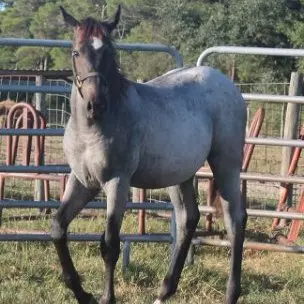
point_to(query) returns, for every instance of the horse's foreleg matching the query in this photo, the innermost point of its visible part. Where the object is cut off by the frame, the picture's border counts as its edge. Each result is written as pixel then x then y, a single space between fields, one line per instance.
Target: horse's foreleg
pixel 117 195
pixel 76 196
pixel 187 217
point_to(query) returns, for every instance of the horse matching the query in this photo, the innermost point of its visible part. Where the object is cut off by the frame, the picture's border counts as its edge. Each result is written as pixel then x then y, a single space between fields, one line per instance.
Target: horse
pixel 147 135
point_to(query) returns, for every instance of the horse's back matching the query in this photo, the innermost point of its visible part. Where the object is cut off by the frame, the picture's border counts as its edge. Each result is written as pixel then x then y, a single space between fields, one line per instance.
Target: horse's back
pixel 186 114
pixel 208 87
pixel 203 92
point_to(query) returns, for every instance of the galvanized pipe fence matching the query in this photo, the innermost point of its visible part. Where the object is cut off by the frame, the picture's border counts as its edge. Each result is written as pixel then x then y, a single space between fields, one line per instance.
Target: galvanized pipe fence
pixel 142 47
pixel 245 50
pixel 160 237
pixel 127 239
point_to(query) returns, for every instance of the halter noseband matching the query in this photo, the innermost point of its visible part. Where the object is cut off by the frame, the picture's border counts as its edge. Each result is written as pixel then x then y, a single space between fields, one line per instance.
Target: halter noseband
pixel 78 80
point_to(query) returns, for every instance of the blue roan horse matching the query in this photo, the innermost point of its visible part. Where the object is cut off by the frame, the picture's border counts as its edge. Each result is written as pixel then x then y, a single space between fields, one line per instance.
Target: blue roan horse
pixel 151 135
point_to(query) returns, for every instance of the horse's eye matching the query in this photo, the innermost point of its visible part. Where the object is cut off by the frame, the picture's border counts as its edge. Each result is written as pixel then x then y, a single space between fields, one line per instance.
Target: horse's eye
pixel 75 53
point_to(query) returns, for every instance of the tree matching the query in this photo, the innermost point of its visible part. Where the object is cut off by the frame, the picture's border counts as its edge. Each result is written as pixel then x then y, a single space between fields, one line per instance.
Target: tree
pixel 41 19
pixel 190 25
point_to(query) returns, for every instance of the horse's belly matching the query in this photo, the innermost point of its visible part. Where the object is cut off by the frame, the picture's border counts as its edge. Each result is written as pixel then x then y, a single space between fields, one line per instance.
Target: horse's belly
pixel 160 177
pixel 172 151
pixel 167 169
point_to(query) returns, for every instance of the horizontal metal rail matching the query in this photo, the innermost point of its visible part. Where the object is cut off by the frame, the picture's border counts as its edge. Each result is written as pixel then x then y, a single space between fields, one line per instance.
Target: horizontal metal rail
pixel 249 51
pixel 34 132
pixel 142 47
pixel 35 89
pixel 90 205
pixel 60 132
pixel 202 174
pixel 257 177
pixel 275 142
pixel 86 237
pixel 36 169
pixel 147 206
pixel 250 245
pixel 151 238
pixel 273 98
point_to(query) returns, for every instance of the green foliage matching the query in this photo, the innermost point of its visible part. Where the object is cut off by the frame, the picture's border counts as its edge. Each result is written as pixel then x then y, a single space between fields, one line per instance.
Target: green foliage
pixel 191 26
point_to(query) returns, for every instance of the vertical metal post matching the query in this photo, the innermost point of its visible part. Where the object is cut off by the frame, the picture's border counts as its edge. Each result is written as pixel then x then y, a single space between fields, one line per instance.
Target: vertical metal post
pixel 291 126
pixel 62 123
pixel 40 97
pixel 142 213
pixel 126 255
pixel 40 106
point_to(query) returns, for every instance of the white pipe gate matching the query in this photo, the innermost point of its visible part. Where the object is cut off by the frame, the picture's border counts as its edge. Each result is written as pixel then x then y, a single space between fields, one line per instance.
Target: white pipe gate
pixel 160 237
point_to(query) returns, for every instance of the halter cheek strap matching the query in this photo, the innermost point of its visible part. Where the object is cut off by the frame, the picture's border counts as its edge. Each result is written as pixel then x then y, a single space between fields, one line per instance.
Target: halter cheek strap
pixel 78 80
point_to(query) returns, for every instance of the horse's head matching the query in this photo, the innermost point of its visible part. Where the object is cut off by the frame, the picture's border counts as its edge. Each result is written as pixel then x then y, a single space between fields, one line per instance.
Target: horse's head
pixel 93 60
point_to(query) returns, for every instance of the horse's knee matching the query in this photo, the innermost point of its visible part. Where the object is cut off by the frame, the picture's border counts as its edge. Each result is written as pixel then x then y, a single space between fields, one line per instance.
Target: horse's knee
pixel 57 232
pixel 71 281
pixel 110 248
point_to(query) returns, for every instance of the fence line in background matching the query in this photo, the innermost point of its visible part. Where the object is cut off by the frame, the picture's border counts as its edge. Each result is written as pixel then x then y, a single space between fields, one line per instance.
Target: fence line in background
pixel 245 50
pixel 167 237
pixel 142 47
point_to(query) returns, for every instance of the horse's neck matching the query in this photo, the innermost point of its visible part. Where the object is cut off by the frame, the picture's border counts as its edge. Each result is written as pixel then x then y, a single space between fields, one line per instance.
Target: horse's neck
pixel 78 109
pixel 117 86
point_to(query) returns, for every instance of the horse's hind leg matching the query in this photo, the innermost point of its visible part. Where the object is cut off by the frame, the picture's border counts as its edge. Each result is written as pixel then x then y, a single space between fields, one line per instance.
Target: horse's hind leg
pixel 187 217
pixel 76 196
pixel 226 172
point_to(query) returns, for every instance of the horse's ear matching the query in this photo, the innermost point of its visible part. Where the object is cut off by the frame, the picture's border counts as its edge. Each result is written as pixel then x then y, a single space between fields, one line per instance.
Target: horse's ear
pixel 113 21
pixel 69 19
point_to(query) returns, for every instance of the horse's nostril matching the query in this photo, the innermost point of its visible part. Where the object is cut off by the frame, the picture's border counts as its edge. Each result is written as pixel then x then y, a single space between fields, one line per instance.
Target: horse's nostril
pixel 90 106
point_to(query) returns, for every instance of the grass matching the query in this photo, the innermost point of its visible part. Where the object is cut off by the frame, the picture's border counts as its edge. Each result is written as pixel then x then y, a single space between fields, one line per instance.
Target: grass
pixel 30 272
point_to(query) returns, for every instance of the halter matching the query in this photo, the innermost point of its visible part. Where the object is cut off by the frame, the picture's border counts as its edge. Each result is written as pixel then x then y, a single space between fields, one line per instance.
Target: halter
pixel 78 80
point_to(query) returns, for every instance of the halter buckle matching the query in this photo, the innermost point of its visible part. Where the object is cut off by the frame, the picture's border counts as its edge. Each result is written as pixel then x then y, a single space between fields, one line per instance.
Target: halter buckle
pixel 78 82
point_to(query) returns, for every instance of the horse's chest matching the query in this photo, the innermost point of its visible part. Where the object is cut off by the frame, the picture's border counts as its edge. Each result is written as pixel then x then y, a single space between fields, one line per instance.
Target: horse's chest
pixel 89 163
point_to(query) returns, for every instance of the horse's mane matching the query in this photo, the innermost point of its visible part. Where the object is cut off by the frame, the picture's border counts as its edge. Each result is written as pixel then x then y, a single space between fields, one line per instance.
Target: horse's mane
pixel 90 27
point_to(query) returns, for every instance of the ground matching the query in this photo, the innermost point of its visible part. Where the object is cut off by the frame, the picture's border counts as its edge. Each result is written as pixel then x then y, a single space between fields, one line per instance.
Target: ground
pixel 30 272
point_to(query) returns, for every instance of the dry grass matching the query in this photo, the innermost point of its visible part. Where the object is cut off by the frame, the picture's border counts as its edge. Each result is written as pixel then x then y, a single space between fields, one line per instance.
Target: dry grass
pixel 30 272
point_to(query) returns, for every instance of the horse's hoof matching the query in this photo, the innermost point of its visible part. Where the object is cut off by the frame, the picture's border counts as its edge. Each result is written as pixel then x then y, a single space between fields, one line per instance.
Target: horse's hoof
pixel 87 299
pixel 107 301
pixel 158 301
pixel 93 301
